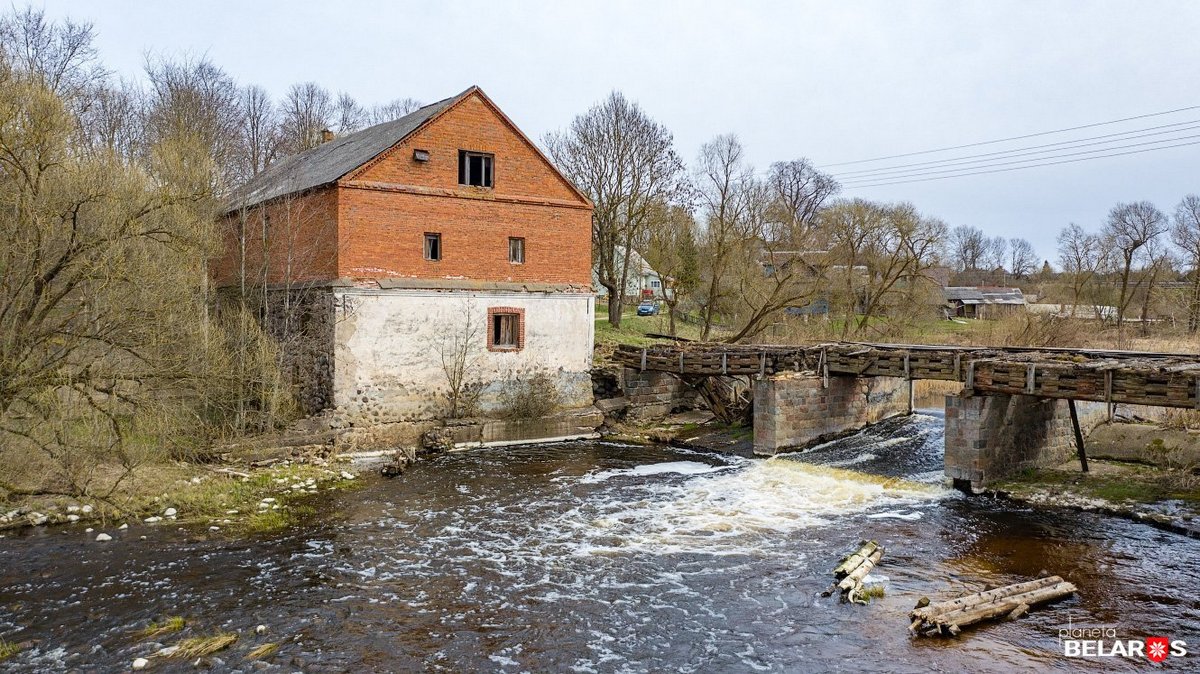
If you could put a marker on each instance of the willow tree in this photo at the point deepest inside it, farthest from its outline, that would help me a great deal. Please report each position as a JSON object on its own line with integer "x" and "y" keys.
{"x": 625, "y": 162}
{"x": 101, "y": 281}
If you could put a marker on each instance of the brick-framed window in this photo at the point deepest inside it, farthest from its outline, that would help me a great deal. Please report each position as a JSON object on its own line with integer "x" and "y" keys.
{"x": 516, "y": 250}
{"x": 433, "y": 246}
{"x": 505, "y": 329}
{"x": 475, "y": 168}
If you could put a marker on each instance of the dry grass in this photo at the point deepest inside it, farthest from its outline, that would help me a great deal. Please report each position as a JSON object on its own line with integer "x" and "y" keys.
{"x": 195, "y": 647}
{"x": 263, "y": 651}
{"x": 167, "y": 626}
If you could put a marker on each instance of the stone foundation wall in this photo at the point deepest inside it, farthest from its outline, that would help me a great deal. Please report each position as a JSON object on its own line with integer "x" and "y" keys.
{"x": 653, "y": 395}
{"x": 795, "y": 410}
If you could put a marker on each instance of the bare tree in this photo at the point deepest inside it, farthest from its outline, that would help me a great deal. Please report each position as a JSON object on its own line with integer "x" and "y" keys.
{"x": 1185, "y": 233}
{"x": 730, "y": 199}
{"x": 626, "y": 163}
{"x": 350, "y": 115}
{"x": 671, "y": 250}
{"x": 1081, "y": 257}
{"x": 1022, "y": 260}
{"x": 394, "y": 109}
{"x": 970, "y": 248}
{"x": 192, "y": 101}
{"x": 880, "y": 254}
{"x": 997, "y": 253}
{"x": 260, "y": 133}
{"x": 61, "y": 57}
{"x": 1130, "y": 228}
{"x": 307, "y": 110}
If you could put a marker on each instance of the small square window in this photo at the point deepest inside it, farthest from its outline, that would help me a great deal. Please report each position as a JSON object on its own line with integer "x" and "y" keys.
{"x": 433, "y": 246}
{"x": 506, "y": 329}
{"x": 474, "y": 168}
{"x": 516, "y": 250}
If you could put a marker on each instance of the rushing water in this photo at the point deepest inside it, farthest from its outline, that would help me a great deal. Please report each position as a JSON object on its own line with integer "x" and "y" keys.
{"x": 597, "y": 557}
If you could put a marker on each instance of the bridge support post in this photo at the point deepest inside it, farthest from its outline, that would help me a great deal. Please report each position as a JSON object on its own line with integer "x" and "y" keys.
{"x": 794, "y": 410}
{"x": 989, "y": 437}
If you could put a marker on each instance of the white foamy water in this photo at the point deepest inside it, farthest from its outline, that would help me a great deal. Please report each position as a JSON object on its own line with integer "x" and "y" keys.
{"x": 730, "y": 510}
{"x": 680, "y": 467}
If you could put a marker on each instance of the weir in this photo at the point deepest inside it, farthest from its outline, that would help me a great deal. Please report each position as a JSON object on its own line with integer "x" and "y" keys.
{"x": 1018, "y": 407}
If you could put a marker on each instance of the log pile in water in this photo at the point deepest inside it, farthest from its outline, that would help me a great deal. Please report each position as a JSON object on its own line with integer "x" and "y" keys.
{"x": 853, "y": 569}
{"x": 1012, "y": 601}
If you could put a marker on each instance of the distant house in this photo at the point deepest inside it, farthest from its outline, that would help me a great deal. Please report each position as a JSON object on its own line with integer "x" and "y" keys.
{"x": 985, "y": 302}
{"x": 643, "y": 281}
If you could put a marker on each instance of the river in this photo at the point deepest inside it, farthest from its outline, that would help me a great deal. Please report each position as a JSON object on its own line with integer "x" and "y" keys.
{"x": 599, "y": 557}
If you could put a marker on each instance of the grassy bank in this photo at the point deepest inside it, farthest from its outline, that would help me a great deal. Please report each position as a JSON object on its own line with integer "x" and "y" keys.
{"x": 232, "y": 499}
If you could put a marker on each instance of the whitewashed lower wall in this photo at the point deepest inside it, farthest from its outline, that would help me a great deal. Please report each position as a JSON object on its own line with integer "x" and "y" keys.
{"x": 388, "y": 344}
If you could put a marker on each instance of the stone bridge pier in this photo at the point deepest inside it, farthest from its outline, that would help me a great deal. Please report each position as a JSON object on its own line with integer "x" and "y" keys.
{"x": 794, "y": 410}
{"x": 991, "y": 436}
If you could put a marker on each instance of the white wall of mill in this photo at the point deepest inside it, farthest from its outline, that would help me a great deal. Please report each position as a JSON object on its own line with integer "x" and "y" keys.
{"x": 387, "y": 362}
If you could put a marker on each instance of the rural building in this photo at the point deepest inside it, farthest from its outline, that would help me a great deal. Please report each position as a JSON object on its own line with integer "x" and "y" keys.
{"x": 438, "y": 238}
{"x": 643, "y": 282}
{"x": 986, "y": 302}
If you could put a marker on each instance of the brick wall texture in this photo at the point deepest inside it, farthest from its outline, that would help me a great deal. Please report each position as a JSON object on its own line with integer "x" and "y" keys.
{"x": 795, "y": 410}
{"x": 371, "y": 223}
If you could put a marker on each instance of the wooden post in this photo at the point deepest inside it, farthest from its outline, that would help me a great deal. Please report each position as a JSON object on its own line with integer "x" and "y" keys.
{"x": 911, "y": 396}
{"x": 1078, "y": 435}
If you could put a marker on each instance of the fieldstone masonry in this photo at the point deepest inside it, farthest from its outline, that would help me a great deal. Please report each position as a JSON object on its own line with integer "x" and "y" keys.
{"x": 653, "y": 395}
{"x": 794, "y": 410}
{"x": 991, "y": 436}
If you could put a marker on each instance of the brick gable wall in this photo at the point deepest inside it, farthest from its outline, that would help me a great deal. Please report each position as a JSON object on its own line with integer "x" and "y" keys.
{"x": 371, "y": 224}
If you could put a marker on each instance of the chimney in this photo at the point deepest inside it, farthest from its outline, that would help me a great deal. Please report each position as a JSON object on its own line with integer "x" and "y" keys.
{"x": 326, "y": 135}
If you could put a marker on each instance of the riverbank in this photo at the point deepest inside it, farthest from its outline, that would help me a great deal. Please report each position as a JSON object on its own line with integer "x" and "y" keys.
{"x": 266, "y": 492}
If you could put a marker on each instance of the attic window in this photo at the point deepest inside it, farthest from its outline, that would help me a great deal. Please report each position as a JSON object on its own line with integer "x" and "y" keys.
{"x": 474, "y": 168}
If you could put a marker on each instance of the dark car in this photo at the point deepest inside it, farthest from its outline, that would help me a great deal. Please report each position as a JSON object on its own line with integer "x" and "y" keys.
{"x": 647, "y": 308}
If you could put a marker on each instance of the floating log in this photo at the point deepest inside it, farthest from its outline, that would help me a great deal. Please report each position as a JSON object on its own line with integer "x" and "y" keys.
{"x": 850, "y": 573}
{"x": 852, "y": 562}
{"x": 1012, "y": 601}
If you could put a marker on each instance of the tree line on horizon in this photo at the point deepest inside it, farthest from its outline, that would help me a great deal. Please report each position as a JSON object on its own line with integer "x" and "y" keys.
{"x": 738, "y": 248}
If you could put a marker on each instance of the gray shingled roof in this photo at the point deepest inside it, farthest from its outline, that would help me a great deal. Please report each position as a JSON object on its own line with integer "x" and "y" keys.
{"x": 330, "y": 161}
{"x": 965, "y": 294}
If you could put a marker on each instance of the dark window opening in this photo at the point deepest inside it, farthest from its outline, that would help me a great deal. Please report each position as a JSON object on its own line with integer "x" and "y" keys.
{"x": 505, "y": 331}
{"x": 474, "y": 168}
{"x": 516, "y": 250}
{"x": 433, "y": 247}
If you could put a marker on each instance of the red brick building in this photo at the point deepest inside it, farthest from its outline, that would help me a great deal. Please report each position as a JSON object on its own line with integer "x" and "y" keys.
{"x": 445, "y": 231}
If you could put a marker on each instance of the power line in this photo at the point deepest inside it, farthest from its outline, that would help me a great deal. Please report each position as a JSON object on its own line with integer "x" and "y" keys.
{"x": 1011, "y": 138}
{"x": 1018, "y": 168}
{"x": 1079, "y": 142}
{"x": 913, "y": 174}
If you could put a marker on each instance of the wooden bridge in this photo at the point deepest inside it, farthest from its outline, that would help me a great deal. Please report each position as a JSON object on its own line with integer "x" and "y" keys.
{"x": 1129, "y": 377}
{"x": 1016, "y": 408}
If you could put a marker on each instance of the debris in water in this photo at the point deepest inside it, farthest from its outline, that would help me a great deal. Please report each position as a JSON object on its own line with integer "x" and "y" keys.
{"x": 1013, "y": 601}
{"x": 853, "y": 569}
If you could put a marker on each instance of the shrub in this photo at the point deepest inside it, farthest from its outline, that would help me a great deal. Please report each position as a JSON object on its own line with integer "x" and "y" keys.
{"x": 529, "y": 397}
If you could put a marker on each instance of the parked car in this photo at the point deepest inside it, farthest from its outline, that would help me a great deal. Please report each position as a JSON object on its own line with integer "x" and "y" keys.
{"x": 648, "y": 308}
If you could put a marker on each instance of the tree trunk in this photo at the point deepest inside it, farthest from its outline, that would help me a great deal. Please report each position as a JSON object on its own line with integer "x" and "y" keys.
{"x": 1194, "y": 309}
{"x": 614, "y": 307}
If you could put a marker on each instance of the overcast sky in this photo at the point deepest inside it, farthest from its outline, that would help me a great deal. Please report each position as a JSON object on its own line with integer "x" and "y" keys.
{"x": 832, "y": 81}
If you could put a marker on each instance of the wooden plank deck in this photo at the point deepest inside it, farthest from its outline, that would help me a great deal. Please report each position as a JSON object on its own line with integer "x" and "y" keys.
{"x": 1130, "y": 377}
